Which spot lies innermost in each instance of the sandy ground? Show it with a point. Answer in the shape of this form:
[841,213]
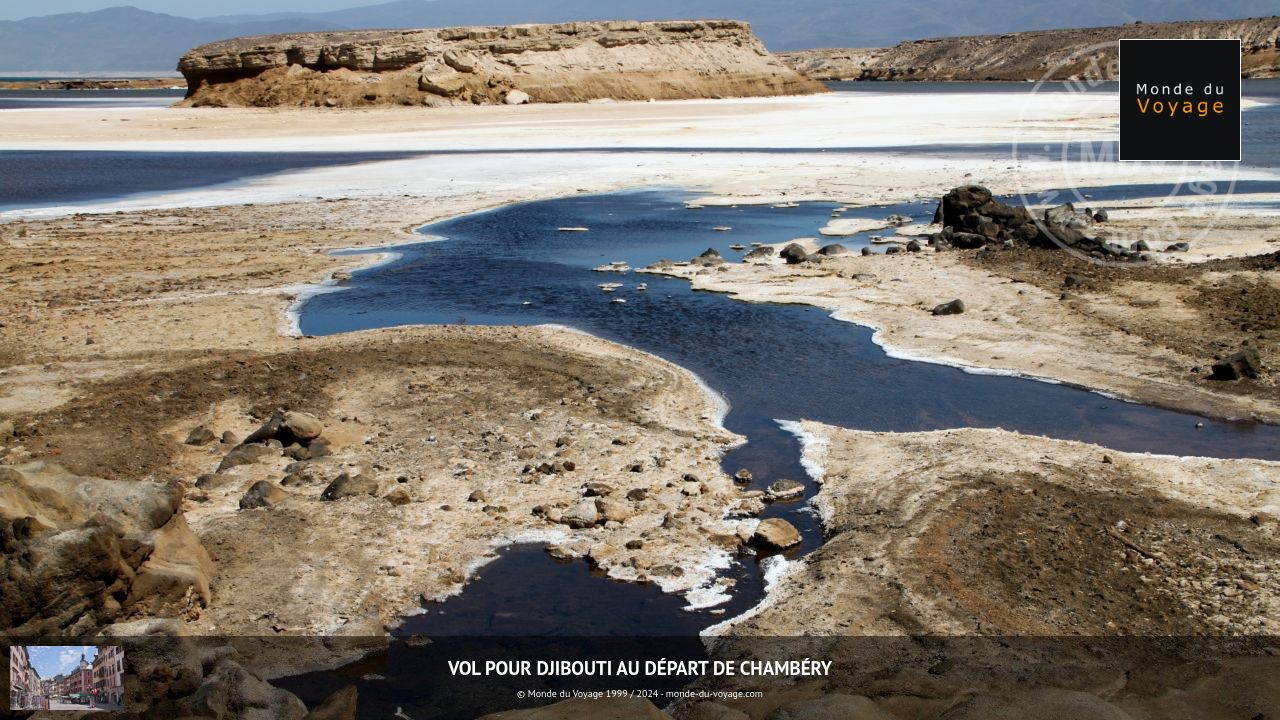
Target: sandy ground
[969,570]
[131,330]
[1148,334]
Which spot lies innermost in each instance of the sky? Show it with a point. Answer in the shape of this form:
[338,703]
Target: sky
[57,660]
[18,9]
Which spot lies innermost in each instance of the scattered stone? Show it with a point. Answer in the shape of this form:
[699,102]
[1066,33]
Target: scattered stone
[785,490]
[833,249]
[1101,216]
[955,307]
[268,430]
[867,251]
[6,428]
[298,452]
[399,496]
[637,494]
[611,510]
[1140,246]
[246,455]
[893,250]
[1244,364]
[776,534]
[597,489]
[200,435]
[1178,247]
[347,486]
[478,496]
[262,494]
[230,438]
[304,426]
[759,253]
[794,254]
[636,544]
[583,515]
[914,246]
[516,97]
[743,476]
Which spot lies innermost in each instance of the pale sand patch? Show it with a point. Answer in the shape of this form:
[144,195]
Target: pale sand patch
[843,227]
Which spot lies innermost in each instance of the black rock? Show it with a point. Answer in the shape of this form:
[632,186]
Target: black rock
[955,307]
[868,251]
[1244,364]
[833,249]
[794,254]
[1178,247]
[914,246]
[892,250]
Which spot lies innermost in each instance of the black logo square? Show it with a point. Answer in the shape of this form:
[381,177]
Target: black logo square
[1180,99]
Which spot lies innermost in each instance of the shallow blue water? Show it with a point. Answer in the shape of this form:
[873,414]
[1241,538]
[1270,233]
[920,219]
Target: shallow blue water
[511,266]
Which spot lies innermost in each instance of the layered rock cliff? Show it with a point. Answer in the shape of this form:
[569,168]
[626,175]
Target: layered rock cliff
[568,62]
[1049,54]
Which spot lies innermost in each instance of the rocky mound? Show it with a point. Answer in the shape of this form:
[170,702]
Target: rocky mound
[81,552]
[971,218]
[568,62]
[1031,55]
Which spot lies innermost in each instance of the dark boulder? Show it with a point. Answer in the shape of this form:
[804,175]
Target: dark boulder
[914,246]
[955,307]
[1244,364]
[833,249]
[794,254]
[1178,247]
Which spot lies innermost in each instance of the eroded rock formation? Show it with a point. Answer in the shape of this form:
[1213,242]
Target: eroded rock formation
[1040,54]
[82,552]
[568,62]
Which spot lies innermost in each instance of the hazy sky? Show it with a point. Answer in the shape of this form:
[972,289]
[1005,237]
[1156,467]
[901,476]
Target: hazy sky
[18,9]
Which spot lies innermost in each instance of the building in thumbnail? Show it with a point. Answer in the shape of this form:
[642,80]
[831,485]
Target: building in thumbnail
[26,689]
[108,675]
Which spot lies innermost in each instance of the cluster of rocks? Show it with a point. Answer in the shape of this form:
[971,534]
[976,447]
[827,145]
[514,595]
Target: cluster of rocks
[298,436]
[171,674]
[971,218]
[1244,364]
[81,552]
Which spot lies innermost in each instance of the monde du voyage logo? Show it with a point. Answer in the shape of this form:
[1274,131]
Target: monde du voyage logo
[1180,99]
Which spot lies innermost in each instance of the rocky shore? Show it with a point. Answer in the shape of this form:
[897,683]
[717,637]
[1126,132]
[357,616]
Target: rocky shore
[1036,55]
[992,290]
[513,65]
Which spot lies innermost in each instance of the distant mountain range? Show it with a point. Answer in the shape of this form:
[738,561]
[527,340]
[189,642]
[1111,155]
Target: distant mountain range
[129,39]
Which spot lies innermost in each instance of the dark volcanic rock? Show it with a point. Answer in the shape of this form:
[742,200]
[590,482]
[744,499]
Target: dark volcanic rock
[1244,364]
[834,249]
[794,254]
[955,307]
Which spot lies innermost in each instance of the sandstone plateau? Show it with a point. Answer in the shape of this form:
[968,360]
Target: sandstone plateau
[1047,54]
[568,62]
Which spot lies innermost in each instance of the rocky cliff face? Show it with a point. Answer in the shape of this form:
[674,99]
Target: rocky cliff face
[1057,54]
[569,62]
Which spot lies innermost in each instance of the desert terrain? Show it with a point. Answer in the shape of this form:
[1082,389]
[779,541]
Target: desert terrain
[131,325]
